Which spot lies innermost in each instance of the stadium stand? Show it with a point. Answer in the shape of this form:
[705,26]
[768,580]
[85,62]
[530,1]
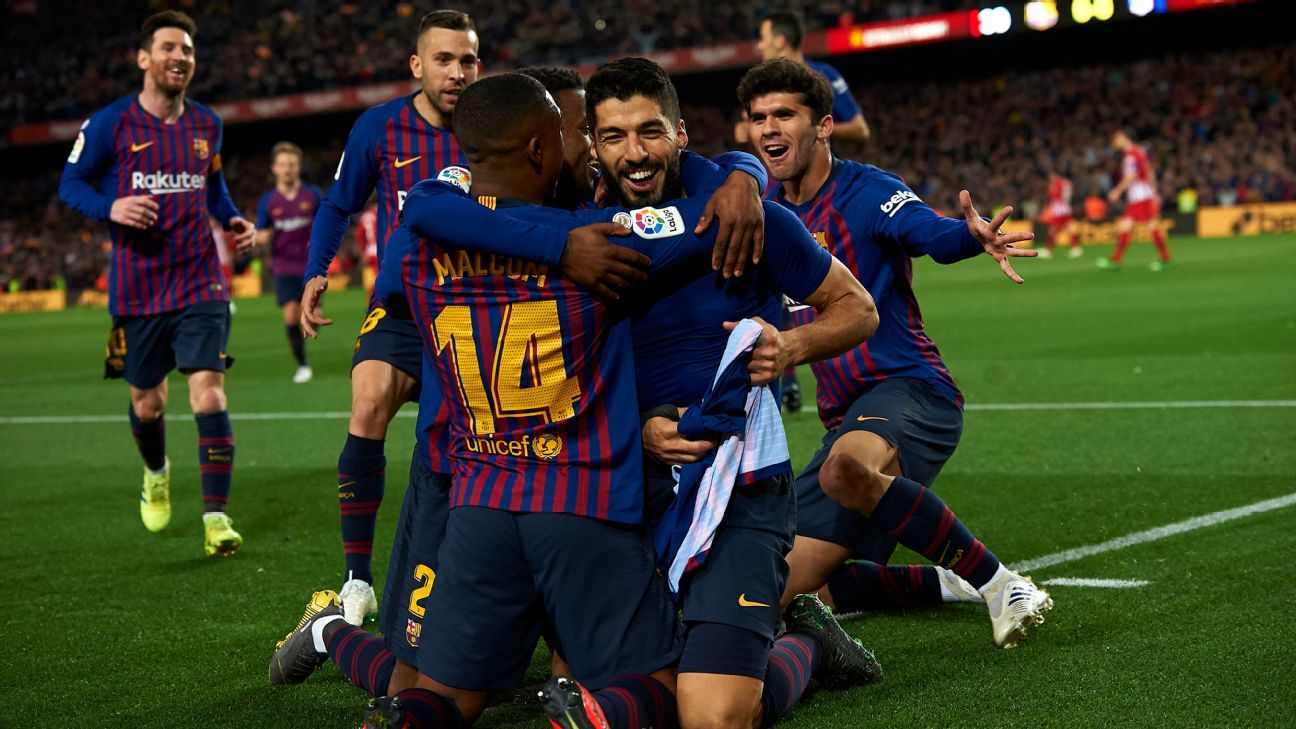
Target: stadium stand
[1221,124]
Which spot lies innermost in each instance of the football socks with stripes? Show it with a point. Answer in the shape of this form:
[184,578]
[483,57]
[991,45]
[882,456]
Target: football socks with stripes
[870,586]
[792,661]
[362,470]
[917,518]
[215,458]
[361,657]
[635,701]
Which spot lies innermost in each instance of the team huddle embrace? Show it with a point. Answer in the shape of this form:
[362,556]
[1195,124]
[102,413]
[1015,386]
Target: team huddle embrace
[594,323]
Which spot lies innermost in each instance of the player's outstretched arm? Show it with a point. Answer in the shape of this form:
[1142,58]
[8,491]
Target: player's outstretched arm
[996,242]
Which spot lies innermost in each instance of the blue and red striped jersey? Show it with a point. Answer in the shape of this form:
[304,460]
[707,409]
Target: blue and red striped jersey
[290,220]
[122,150]
[872,222]
[539,375]
[391,148]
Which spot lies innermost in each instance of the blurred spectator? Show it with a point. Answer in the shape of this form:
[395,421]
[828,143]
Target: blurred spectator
[251,49]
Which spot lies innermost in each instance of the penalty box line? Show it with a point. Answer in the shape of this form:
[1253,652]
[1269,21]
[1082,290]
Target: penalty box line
[1158,533]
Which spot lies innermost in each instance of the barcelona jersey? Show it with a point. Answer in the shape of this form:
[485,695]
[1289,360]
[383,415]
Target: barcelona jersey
[538,374]
[391,148]
[871,221]
[122,151]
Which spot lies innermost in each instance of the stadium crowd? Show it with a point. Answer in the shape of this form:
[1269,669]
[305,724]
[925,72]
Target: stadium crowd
[272,47]
[1221,125]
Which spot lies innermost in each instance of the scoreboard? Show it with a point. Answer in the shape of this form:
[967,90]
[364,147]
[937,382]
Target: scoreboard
[1040,16]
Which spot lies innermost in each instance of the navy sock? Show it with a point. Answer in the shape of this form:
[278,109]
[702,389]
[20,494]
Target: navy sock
[361,657]
[918,519]
[297,342]
[792,661]
[150,438]
[215,458]
[362,468]
[429,710]
[871,586]
[635,701]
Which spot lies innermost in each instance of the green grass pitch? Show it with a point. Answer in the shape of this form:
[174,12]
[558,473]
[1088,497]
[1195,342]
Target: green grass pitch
[107,625]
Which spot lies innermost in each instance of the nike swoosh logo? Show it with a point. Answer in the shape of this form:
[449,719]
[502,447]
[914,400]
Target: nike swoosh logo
[138,147]
[744,602]
[344,485]
[871,417]
[941,561]
[399,163]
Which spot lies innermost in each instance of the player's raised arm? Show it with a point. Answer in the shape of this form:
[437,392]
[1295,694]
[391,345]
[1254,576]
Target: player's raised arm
[993,240]
[354,180]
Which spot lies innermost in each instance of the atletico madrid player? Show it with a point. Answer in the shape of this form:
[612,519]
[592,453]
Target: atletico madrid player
[1138,184]
[150,165]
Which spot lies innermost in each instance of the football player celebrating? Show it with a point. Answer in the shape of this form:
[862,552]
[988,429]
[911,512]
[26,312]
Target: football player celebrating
[892,410]
[150,164]
[392,146]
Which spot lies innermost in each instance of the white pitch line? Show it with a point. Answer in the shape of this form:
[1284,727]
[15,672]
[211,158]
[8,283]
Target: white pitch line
[340,415]
[1091,582]
[1167,405]
[1152,535]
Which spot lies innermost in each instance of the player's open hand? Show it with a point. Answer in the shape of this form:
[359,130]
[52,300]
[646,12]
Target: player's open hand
[243,233]
[662,441]
[135,211]
[741,236]
[996,242]
[770,357]
[595,264]
[312,307]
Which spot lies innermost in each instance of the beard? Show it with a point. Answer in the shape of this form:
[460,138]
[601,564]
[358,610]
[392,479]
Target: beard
[672,187]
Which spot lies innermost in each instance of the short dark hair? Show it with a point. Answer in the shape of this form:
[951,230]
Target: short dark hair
[448,19]
[165,19]
[493,114]
[787,24]
[782,75]
[555,79]
[625,78]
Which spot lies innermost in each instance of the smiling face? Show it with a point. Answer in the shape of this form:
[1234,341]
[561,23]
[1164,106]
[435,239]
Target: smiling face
[579,175]
[638,149]
[446,63]
[785,133]
[168,63]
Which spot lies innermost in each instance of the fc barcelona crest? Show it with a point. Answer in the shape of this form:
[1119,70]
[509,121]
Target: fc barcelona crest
[201,149]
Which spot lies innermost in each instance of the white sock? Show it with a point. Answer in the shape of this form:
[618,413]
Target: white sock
[160,472]
[317,632]
[997,575]
[946,595]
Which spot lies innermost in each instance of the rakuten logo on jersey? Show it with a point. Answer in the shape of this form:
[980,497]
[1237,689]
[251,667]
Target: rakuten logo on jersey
[288,225]
[897,201]
[164,183]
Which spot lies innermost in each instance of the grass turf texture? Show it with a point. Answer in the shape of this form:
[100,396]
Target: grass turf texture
[108,625]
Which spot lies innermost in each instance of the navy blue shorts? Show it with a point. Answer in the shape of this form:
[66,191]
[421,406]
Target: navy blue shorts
[742,580]
[289,289]
[923,424]
[144,349]
[504,576]
[413,565]
[391,340]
